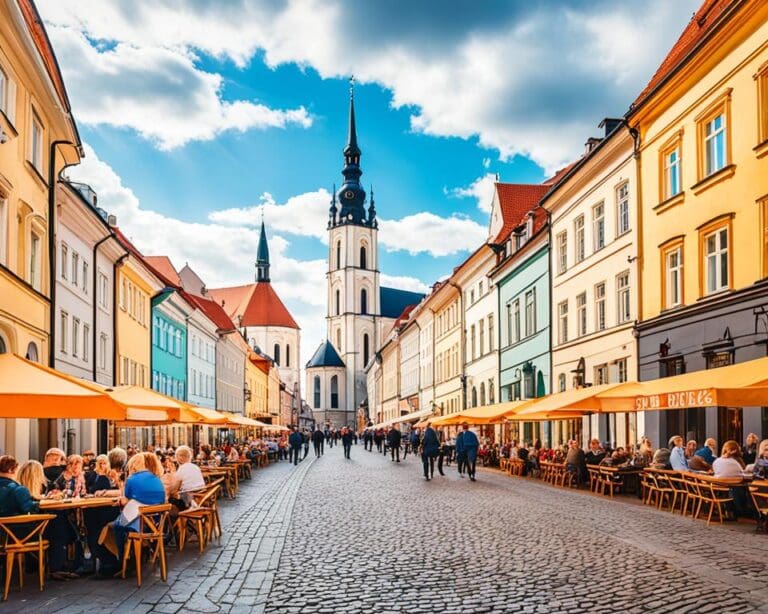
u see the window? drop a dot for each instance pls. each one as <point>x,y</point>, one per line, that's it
<point>716,261</point>
<point>763,233</point>
<point>482,393</point>
<point>338,254</point>
<point>316,392</point>
<point>472,341</point>
<point>530,312</point>
<point>622,297</point>
<point>171,339</point>
<point>472,297</point>
<point>578,229</point>
<point>75,268</point>
<point>562,252</point>
<point>598,226</point>
<point>490,332</point>
<point>481,336</point>
<point>714,144</point>
<point>35,263</point>
<point>36,143</point>
<point>673,276</point>
<point>287,355</point>
<point>516,320</point>
<point>363,259</point>
<point>338,302</point>
<point>85,277</point>
<point>64,260</point>
<point>473,397</point>
<point>276,354</point>
<point>4,87</point>
<point>581,314</point>
<point>671,178</point>
<point>123,293</point>
<point>562,320</point>
<point>364,301</point>
<point>86,341</point>
<point>103,290</point>
<point>621,368</point>
<point>63,327</point>
<point>601,374</point>
<point>561,382</point>
<point>334,392</point>
<point>480,288</point>
<point>600,306</point>
<point>338,339</point>
<point>622,209</point>
<point>75,335</point>
<point>102,351</point>
<point>762,103</point>
<point>3,229</point>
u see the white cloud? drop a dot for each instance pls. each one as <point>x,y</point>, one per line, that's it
<point>426,232</point>
<point>524,78</point>
<point>481,189</point>
<point>403,283</point>
<point>156,91</point>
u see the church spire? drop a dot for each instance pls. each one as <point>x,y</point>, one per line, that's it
<point>262,255</point>
<point>351,194</point>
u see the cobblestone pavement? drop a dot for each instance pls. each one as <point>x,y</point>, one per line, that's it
<point>234,575</point>
<point>369,535</point>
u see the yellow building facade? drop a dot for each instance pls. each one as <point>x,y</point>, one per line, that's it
<point>38,138</point>
<point>702,137</point>
<point>256,382</point>
<point>448,360</point>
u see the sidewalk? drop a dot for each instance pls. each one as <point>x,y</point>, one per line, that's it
<point>234,575</point>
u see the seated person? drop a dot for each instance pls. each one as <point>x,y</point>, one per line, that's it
<point>690,448</point>
<point>574,460</point>
<point>749,453</point>
<point>760,470</point>
<point>730,464</point>
<point>677,459</point>
<point>644,455</point>
<point>661,459</point>
<point>708,451</point>
<point>697,463</point>
<point>54,463</point>
<point>72,480</point>
<point>97,480</point>
<point>89,456</point>
<point>189,473</point>
<point>595,454</point>
<point>16,498</point>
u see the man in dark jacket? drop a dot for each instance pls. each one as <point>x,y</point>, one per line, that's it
<point>467,446</point>
<point>318,440</point>
<point>295,440</point>
<point>305,442</point>
<point>393,440</point>
<point>346,441</point>
<point>430,447</point>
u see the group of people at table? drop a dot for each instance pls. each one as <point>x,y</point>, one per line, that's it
<point>126,478</point>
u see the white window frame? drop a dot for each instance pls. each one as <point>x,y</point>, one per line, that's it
<point>75,268</point>
<point>581,314</point>
<point>672,176</point>
<point>674,274</point>
<point>63,331</point>
<point>623,223</point>
<point>719,256</point>
<point>64,260</point>
<point>711,163</point>
<point>35,261</point>
<point>562,252</point>
<point>623,298</point>
<point>86,341</point>
<point>580,246</point>
<point>598,226</point>
<point>75,336</point>
<point>562,322</point>
<point>530,312</point>
<point>600,310</point>
<point>36,138</point>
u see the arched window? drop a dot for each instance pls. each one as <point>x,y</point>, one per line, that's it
<point>32,352</point>
<point>276,354</point>
<point>491,392</point>
<point>561,382</point>
<point>335,392</point>
<point>338,254</point>
<point>3,347</point>
<point>363,301</point>
<point>316,392</point>
<point>482,393</point>
<point>287,355</point>
<point>338,302</point>
<point>474,396</point>
<point>366,349</point>
<point>363,260</point>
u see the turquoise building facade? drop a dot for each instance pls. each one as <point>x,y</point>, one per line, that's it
<point>169,345</point>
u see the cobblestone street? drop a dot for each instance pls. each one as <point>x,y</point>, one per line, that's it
<point>369,535</point>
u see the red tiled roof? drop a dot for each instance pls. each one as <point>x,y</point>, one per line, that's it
<point>258,304</point>
<point>516,200</point>
<point>164,266</point>
<point>260,361</point>
<point>693,34</point>
<point>211,309</point>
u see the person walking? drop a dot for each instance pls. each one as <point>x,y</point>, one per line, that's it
<point>394,438</point>
<point>461,456</point>
<point>317,440</point>
<point>368,439</point>
<point>415,439</point>
<point>295,441</point>
<point>346,441</point>
<point>305,442</point>
<point>440,453</point>
<point>430,446</point>
<point>469,445</point>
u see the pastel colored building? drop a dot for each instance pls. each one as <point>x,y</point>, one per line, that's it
<point>702,129</point>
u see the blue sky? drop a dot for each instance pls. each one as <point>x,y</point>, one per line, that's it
<point>197,113</point>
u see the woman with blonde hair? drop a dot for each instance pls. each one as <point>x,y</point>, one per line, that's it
<point>32,476</point>
<point>760,470</point>
<point>72,479</point>
<point>97,480</point>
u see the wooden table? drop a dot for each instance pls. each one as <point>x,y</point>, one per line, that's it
<point>77,504</point>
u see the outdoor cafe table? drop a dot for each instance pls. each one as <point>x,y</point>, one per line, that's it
<point>76,504</point>
<point>630,475</point>
<point>229,472</point>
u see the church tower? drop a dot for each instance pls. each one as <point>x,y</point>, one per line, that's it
<point>353,273</point>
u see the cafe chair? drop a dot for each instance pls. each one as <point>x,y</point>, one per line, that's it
<point>677,484</point>
<point>199,519</point>
<point>26,539</point>
<point>715,497</point>
<point>152,519</point>
<point>759,494</point>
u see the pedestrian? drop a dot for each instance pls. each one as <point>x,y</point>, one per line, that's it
<point>295,441</point>
<point>378,437</point>
<point>430,446</point>
<point>328,439</point>
<point>415,440</point>
<point>305,441</point>
<point>440,453</point>
<point>393,440</point>
<point>346,441</point>
<point>461,456</point>
<point>469,445</point>
<point>368,439</point>
<point>317,440</point>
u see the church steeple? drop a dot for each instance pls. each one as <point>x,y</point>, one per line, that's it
<point>351,194</point>
<point>262,255</point>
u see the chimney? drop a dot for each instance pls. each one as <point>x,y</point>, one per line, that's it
<point>609,124</point>
<point>591,143</point>
<point>112,220</point>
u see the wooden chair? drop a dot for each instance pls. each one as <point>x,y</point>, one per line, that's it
<point>152,519</point>
<point>664,492</point>
<point>713,495</point>
<point>595,484</point>
<point>612,480</point>
<point>503,463</point>
<point>677,484</point>
<point>759,493</point>
<point>27,540</point>
<point>516,467</point>
<point>201,519</point>
<point>647,486</point>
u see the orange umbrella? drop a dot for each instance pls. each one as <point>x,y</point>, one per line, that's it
<point>31,390</point>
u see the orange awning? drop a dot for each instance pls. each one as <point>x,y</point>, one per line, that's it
<point>577,401</point>
<point>30,390</point>
<point>486,414</point>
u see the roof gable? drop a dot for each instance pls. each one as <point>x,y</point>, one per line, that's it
<point>325,356</point>
<point>164,266</point>
<point>515,200</point>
